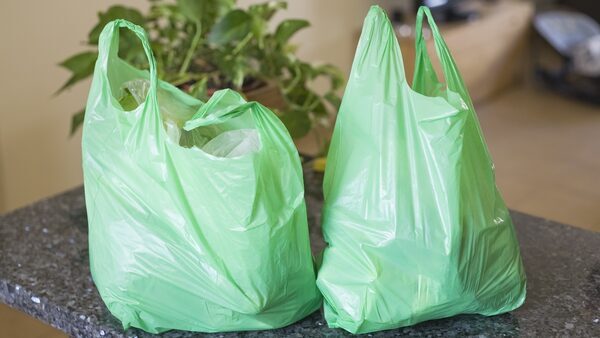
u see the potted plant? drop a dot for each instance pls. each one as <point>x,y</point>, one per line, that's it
<point>204,45</point>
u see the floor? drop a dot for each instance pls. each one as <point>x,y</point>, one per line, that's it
<point>546,150</point>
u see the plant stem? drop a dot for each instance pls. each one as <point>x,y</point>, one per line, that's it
<point>190,53</point>
<point>242,44</point>
<point>294,81</point>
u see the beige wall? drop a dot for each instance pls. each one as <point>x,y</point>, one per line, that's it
<point>37,157</point>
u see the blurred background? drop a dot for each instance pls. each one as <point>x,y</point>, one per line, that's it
<point>535,103</point>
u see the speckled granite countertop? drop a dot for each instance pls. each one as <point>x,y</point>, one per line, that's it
<point>44,272</point>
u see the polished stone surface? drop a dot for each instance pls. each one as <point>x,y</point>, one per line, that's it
<point>44,272</point>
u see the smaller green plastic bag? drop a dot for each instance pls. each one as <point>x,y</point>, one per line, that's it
<point>415,226</point>
<point>196,211</point>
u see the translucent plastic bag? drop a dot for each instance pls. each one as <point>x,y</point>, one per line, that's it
<point>233,143</point>
<point>415,226</point>
<point>230,143</point>
<point>180,238</point>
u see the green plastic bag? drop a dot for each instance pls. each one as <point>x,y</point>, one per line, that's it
<point>415,226</point>
<point>180,238</point>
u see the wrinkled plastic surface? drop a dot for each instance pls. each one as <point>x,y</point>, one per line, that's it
<point>233,143</point>
<point>183,239</point>
<point>230,143</point>
<point>415,226</point>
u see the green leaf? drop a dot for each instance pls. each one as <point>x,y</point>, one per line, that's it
<point>113,13</point>
<point>267,10</point>
<point>81,66</point>
<point>234,26</point>
<point>127,101</point>
<point>335,75</point>
<point>298,95</point>
<point>259,27</point>
<point>320,109</point>
<point>194,10</point>
<point>287,28</point>
<point>199,89</point>
<point>162,10</point>
<point>205,12</point>
<point>80,62</point>
<point>333,99</point>
<point>77,121</point>
<point>297,123</point>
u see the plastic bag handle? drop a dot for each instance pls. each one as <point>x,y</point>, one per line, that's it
<point>453,79</point>
<point>110,37</point>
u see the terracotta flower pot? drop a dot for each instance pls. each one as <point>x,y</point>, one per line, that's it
<point>268,95</point>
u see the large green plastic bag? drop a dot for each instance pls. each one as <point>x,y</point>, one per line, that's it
<point>415,226</point>
<point>179,238</point>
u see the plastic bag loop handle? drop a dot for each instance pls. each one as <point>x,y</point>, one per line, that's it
<point>453,79</point>
<point>424,10</point>
<point>107,50</point>
<point>439,43</point>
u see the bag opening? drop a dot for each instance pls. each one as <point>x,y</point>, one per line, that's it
<point>131,88</point>
<point>235,137</point>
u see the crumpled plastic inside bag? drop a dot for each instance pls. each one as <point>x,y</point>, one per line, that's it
<point>233,143</point>
<point>214,140</point>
